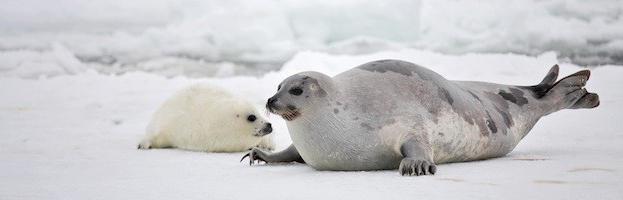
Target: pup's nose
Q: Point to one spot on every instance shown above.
(268, 128)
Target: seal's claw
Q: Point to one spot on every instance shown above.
(243, 157)
(411, 167)
(251, 157)
(254, 155)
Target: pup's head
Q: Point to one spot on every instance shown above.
(297, 93)
(248, 118)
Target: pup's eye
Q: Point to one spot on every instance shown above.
(279, 87)
(251, 118)
(296, 91)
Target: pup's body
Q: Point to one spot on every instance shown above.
(207, 118)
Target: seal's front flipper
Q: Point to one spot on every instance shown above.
(290, 154)
(417, 159)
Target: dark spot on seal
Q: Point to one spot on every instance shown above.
(443, 92)
(441, 134)
(367, 126)
(335, 110)
(237, 116)
(460, 109)
(338, 103)
(491, 124)
(482, 126)
(507, 96)
(321, 92)
(345, 107)
(508, 120)
(497, 100)
(474, 95)
(396, 66)
(521, 100)
(356, 118)
(516, 96)
(306, 96)
(464, 114)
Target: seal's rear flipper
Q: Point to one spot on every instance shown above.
(589, 100)
(568, 92)
(547, 83)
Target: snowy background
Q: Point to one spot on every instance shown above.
(79, 81)
(199, 38)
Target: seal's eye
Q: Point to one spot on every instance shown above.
(251, 118)
(279, 87)
(296, 91)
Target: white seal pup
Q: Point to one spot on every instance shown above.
(207, 118)
(392, 114)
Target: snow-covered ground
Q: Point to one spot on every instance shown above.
(75, 137)
(202, 38)
(80, 79)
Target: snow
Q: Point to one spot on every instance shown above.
(197, 38)
(79, 81)
(75, 136)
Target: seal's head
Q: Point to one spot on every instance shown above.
(299, 93)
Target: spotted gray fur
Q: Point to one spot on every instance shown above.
(491, 123)
(474, 95)
(443, 92)
(516, 96)
(382, 66)
(508, 120)
(367, 126)
(401, 114)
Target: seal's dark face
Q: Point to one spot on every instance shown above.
(294, 95)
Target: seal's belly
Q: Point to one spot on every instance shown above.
(344, 160)
(346, 155)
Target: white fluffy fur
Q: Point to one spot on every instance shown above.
(206, 118)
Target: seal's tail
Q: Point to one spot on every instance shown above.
(568, 92)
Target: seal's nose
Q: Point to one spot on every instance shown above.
(268, 128)
(271, 102)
